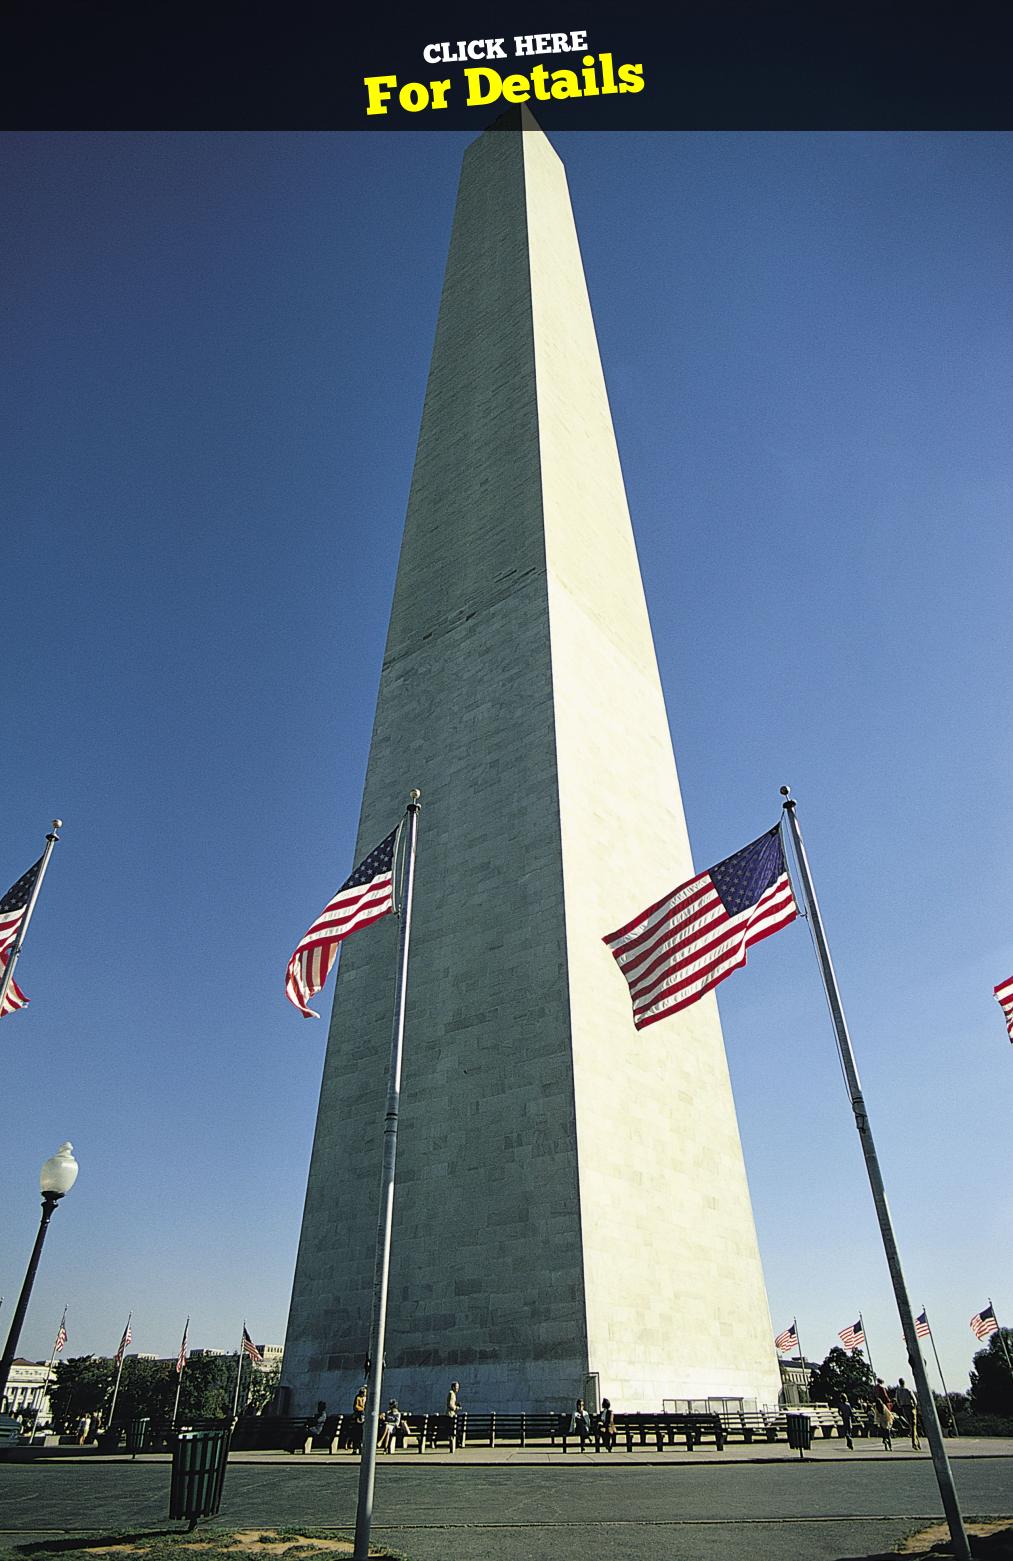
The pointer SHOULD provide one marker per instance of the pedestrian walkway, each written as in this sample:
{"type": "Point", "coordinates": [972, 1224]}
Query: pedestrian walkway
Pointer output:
{"type": "Point", "coordinates": [756, 1504]}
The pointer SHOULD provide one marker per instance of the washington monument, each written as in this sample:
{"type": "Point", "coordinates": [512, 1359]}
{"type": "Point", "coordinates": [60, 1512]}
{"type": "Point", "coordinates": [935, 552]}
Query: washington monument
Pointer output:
{"type": "Point", "coordinates": [571, 1214]}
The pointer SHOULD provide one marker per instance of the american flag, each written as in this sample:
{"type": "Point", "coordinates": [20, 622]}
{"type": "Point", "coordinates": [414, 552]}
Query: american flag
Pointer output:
{"type": "Point", "coordinates": [249, 1348]}
{"type": "Point", "coordinates": [181, 1357]}
{"type": "Point", "coordinates": [683, 945]}
{"type": "Point", "coordinates": [362, 899]}
{"type": "Point", "coordinates": [1004, 997]}
{"type": "Point", "coordinates": [983, 1323]}
{"type": "Point", "coordinates": [854, 1337]}
{"type": "Point", "coordinates": [922, 1326]}
{"type": "Point", "coordinates": [788, 1340]}
{"type": "Point", "coordinates": [12, 908]}
{"type": "Point", "coordinates": [61, 1339]}
{"type": "Point", "coordinates": [126, 1339]}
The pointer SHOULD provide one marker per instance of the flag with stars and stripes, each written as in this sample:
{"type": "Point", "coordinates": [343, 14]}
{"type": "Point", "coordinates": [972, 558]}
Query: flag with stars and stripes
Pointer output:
{"type": "Point", "coordinates": [184, 1347]}
{"type": "Point", "coordinates": [1004, 997]}
{"type": "Point", "coordinates": [249, 1348]}
{"type": "Point", "coordinates": [126, 1339]}
{"type": "Point", "coordinates": [853, 1337]}
{"type": "Point", "coordinates": [363, 898]}
{"type": "Point", "coordinates": [61, 1339]}
{"type": "Point", "coordinates": [788, 1340]}
{"type": "Point", "coordinates": [984, 1322]}
{"type": "Point", "coordinates": [682, 946]}
{"type": "Point", "coordinates": [922, 1328]}
{"type": "Point", "coordinates": [12, 909]}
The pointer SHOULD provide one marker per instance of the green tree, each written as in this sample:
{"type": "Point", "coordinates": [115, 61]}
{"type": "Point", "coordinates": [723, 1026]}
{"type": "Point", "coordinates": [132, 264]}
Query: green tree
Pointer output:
{"type": "Point", "coordinates": [147, 1388]}
{"type": "Point", "coordinates": [79, 1386]}
{"type": "Point", "coordinates": [839, 1373]}
{"type": "Point", "coordinates": [209, 1386]}
{"type": "Point", "coordinates": [991, 1379]}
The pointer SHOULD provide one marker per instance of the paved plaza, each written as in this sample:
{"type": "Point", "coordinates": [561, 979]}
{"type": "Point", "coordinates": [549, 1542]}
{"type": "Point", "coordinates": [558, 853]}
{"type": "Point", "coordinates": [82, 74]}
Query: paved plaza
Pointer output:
{"type": "Point", "coordinates": [757, 1504]}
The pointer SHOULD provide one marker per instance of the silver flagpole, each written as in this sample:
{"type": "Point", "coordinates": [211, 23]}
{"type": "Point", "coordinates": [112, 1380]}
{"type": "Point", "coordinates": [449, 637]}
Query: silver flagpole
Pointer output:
{"type": "Point", "coordinates": [946, 1391]}
{"type": "Point", "coordinates": [944, 1474]}
{"type": "Point", "coordinates": [1002, 1341]}
{"type": "Point", "coordinates": [239, 1374]}
{"type": "Point", "coordinates": [12, 959]}
{"type": "Point", "coordinates": [180, 1371]}
{"type": "Point", "coordinates": [119, 1371]}
{"type": "Point", "coordinates": [49, 1373]}
{"type": "Point", "coordinates": [868, 1346]}
{"type": "Point", "coordinates": [803, 1386]}
{"type": "Point", "coordinates": [378, 1321]}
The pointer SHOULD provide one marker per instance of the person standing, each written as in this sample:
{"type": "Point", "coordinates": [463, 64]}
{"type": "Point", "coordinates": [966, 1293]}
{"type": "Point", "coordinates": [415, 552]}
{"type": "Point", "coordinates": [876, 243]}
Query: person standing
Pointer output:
{"type": "Point", "coordinates": [358, 1418]}
{"type": "Point", "coordinates": [907, 1403]}
{"type": "Point", "coordinates": [453, 1409]}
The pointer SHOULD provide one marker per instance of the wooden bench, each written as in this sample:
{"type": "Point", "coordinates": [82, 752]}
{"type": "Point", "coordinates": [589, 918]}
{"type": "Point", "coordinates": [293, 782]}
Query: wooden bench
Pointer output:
{"type": "Point", "coordinates": [664, 1428]}
{"type": "Point", "coordinates": [828, 1420]}
{"type": "Point", "coordinates": [747, 1424]}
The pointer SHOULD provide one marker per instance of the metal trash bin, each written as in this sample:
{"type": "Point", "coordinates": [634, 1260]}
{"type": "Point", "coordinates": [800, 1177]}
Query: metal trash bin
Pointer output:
{"type": "Point", "coordinates": [137, 1435]}
{"type": "Point", "coordinates": [198, 1474]}
{"type": "Point", "coordinates": [800, 1432]}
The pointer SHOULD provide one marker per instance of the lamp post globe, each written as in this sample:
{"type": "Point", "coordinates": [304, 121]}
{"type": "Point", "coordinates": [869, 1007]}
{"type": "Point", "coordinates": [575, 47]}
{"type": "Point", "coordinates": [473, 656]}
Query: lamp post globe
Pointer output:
{"type": "Point", "coordinates": [59, 1173]}
{"type": "Point", "coordinates": [57, 1177]}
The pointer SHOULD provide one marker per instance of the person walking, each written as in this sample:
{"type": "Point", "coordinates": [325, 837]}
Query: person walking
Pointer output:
{"type": "Point", "coordinates": [847, 1420]}
{"type": "Point", "coordinates": [907, 1403]}
{"type": "Point", "coordinates": [882, 1414]}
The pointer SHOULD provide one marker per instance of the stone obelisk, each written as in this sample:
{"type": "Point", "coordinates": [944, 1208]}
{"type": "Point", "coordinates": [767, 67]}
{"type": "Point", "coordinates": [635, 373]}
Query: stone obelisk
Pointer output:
{"type": "Point", "coordinates": [571, 1212]}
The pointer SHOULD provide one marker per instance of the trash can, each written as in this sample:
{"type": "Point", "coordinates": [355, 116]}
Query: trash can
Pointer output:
{"type": "Point", "coordinates": [198, 1474]}
{"type": "Point", "coordinates": [800, 1432]}
{"type": "Point", "coordinates": [137, 1435]}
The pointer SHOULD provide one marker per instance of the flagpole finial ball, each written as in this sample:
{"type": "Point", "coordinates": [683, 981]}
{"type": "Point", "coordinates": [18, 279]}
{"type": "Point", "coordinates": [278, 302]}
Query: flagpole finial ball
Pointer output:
{"type": "Point", "coordinates": [414, 795]}
{"type": "Point", "coordinates": [58, 823]}
{"type": "Point", "coordinates": [785, 791]}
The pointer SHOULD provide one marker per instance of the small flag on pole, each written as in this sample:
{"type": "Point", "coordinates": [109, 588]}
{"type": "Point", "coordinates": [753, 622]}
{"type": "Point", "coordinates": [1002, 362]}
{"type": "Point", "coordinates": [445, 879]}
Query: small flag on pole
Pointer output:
{"type": "Point", "coordinates": [363, 898]}
{"type": "Point", "coordinates": [126, 1339]}
{"type": "Point", "coordinates": [854, 1337]}
{"type": "Point", "coordinates": [61, 1339]}
{"type": "Point", "coordinates": [685, 944]}
{"type": "Point", "coordinates": [249, 1348]}
{"type": "Point", "coordinates": [788, 1340]}
{"type": "Point", "coordinates": [12, 909]}
{"type": "Point", "coordinates": [181, 1357]}
{"type": "Point", "coordinates": [984, 1322]}
{"type": "Point", "coordinates": [1004, 997]}
{"type": "Point", "coordinates": [922, 1326]}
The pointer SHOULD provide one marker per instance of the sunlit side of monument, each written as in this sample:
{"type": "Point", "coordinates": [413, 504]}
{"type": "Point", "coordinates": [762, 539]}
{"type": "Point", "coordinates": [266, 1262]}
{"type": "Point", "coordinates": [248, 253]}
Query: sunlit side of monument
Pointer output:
{"type": "Point", "coordinates": [572, 1215]}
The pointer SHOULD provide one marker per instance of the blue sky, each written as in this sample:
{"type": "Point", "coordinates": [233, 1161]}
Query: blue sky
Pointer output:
{"type": "Point", "coordinates": [216, 351]}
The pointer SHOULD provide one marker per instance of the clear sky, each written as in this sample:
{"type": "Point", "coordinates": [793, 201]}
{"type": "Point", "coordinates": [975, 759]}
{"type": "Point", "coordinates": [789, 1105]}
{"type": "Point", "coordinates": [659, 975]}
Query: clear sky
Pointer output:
{"type": "Point", "coordinates": [215, 353]}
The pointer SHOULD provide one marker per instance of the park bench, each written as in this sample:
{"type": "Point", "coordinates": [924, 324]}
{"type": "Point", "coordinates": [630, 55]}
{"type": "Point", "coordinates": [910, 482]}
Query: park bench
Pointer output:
{"type": "Point", "coordinates": [524, 1429]}
{"type": "Point", "coordinates": [828, 1420]}
{"type": "Point", "coordinates": [664, 1428]}
{"type": "Point", "coordinates": [746, 1424]}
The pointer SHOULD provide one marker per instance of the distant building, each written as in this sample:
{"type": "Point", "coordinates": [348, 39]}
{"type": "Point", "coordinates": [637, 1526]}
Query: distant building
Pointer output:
{"type": "Point", "coordinates": [26, 1390]}
{"type": "Point", "coordinates": [795, 1381]}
